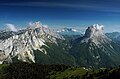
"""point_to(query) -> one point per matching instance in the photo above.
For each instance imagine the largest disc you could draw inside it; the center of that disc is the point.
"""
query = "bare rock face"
(21, 44)
(95, 33)
(94, 30)
(95, 49)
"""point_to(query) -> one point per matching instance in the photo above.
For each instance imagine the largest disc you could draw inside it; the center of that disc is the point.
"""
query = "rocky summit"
(20, 44)
(95, 49)
(95, 33)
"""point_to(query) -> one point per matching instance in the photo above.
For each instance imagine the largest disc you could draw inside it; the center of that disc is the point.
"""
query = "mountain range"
(39, 44)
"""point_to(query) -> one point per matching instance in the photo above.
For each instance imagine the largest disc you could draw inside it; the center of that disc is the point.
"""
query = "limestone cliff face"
(22, 43)
(94, 30)
(95, 33)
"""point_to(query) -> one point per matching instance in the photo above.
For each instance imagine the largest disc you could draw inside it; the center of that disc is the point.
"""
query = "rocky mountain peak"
(95, 33)
(94, 30)
(95, 47)
(21, 44)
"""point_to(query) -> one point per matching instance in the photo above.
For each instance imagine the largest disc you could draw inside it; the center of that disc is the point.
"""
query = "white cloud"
(11, 27)
(45, 26)
(31, 24)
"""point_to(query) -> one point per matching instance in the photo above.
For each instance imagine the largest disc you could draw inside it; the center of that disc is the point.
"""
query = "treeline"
(29, 71)
(101, 74)
(37, 71)
(75, 73)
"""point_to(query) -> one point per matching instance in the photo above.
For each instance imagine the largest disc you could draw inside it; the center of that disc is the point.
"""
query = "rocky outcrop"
(95, 33)
(21, 44)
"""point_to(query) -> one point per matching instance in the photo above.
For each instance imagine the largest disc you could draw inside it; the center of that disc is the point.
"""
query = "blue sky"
(62, 13)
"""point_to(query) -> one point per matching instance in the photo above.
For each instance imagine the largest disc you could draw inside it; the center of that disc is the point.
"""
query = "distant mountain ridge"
(69, 31)
(115, 36)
